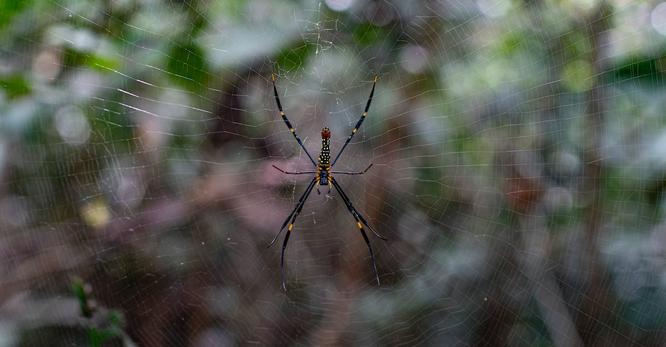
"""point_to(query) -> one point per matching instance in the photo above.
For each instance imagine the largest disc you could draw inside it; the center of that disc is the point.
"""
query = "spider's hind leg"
(360, 221)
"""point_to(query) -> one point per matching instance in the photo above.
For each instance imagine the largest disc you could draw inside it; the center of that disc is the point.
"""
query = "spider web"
(517, 151)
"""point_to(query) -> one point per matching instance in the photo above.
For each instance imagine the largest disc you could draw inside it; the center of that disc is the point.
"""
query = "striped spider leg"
(286, 121)
(323, 176)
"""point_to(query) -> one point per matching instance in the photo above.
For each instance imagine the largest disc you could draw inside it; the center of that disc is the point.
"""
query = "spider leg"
(359, 224)
(284, 247)
(353, 209)
(286, 121)
(352, 172)
(294, 173)
(360, 121)
(301, 201)
(286, 237)
(372, 255)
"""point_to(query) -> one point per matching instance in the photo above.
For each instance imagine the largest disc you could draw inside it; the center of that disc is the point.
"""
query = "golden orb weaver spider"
(324, 177)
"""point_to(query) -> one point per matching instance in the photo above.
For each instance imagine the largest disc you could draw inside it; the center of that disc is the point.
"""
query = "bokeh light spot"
(96, 213)
(658, 18)
(577, 76)
(72, 125)
(493, 8)
(339, 5)
(413, 58)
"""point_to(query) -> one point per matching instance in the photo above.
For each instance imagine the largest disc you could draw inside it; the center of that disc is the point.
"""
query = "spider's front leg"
(288, 123)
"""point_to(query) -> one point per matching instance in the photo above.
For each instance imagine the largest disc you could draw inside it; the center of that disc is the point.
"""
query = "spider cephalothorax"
(323, 176)
(325, 133)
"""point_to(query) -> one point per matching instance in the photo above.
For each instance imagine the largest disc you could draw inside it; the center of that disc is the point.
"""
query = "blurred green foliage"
(10, 8)
(187, 67)
(15, 86)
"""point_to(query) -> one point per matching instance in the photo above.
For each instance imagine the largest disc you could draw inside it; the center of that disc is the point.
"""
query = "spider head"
(325, 133)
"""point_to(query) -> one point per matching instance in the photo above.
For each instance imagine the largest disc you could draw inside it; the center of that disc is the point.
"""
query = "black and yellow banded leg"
(360, 121)
(286, 121)
(290, 227)
(353, 209)
(300, 202)
(367, 242)
(360, 221)
(284, 247)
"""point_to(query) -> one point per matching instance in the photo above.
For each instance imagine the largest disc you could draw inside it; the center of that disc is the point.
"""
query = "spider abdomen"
(325, 154)
(324, 158)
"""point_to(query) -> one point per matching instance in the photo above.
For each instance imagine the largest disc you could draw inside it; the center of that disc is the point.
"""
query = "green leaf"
(78, 287)
(367, 33)
(10, 8)
(648, 70)
(15, 86)
(187, 66)
(294, 58)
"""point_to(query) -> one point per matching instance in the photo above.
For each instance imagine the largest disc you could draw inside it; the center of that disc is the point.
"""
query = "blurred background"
(519, 151)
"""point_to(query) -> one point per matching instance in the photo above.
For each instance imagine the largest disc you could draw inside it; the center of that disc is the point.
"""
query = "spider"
(324, 176)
